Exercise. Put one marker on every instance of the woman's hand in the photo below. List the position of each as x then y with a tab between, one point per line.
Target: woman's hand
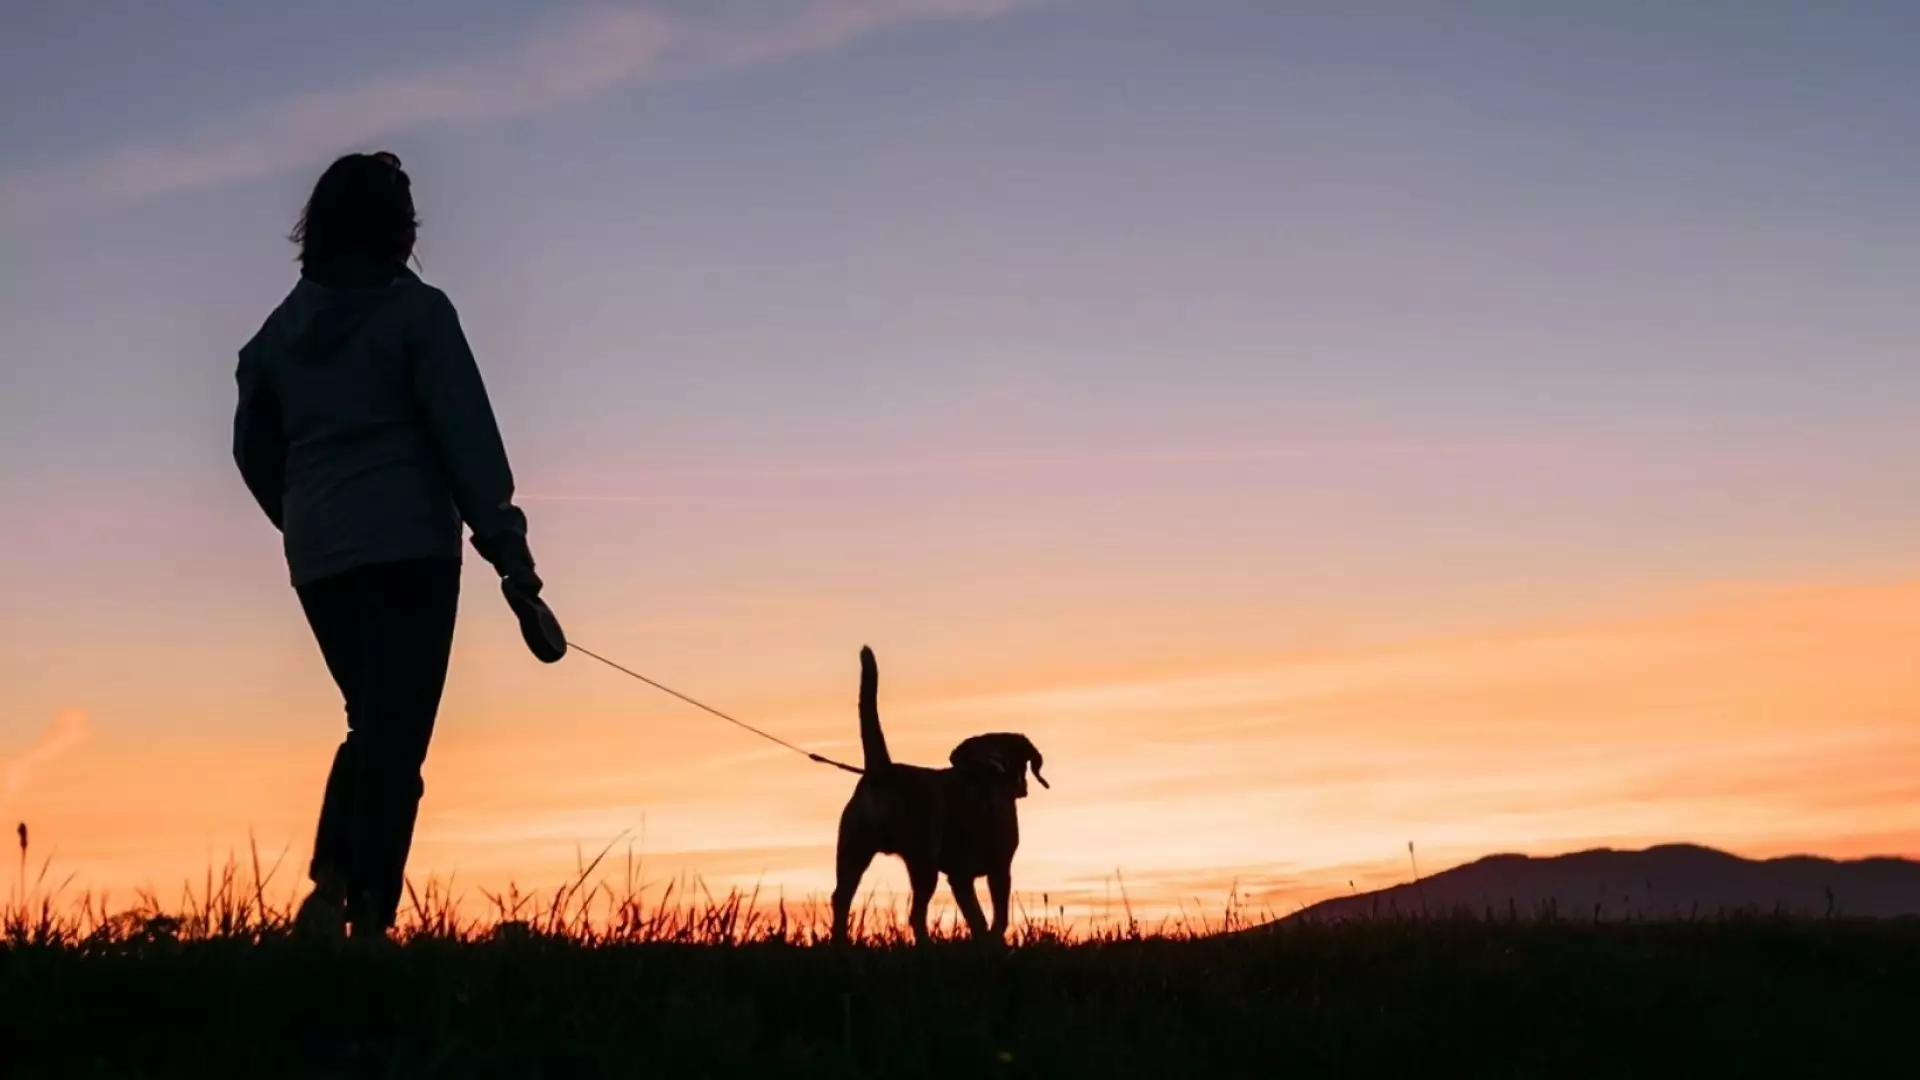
538	626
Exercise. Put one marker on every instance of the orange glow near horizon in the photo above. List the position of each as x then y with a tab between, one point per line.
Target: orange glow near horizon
1764	721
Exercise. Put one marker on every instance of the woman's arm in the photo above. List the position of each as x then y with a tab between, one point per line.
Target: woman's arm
454	399
259	439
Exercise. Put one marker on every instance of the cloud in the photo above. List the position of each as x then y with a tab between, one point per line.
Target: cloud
573	57
68	729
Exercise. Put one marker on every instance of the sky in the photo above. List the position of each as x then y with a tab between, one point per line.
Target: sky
1321	427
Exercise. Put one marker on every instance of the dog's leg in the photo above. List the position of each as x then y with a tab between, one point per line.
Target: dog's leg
924	878
969	902
850	865
1000	888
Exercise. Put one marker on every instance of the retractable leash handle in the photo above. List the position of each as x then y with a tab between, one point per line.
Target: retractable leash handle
538	625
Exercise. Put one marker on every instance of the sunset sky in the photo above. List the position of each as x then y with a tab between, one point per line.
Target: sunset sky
1321	427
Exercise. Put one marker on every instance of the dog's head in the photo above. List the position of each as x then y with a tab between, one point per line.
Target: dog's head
1003	754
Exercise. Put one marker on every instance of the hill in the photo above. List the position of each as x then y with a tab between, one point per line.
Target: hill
1668	881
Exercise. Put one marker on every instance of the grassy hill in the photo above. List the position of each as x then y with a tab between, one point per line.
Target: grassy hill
1747	997
724	988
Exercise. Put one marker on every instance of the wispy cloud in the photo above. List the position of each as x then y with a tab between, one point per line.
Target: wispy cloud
68	729
571	58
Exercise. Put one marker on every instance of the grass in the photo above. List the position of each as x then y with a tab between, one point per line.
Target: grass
599	982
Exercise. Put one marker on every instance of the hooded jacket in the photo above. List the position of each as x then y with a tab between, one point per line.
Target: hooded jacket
364	431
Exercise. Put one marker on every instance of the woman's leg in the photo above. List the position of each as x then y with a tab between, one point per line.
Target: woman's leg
335	611
406	638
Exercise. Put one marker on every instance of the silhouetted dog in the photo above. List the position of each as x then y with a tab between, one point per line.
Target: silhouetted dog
958	821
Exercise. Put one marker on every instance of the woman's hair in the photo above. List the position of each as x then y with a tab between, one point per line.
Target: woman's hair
362	206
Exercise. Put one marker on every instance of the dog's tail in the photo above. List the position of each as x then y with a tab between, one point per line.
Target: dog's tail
873	744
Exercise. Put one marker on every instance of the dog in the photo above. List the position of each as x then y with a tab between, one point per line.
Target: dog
959	821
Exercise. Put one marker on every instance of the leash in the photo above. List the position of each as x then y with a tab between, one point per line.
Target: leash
549	643
772	738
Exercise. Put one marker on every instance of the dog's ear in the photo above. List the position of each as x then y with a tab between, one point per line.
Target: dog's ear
1034	760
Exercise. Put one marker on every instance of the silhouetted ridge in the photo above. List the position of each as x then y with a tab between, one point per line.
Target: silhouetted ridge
1668	881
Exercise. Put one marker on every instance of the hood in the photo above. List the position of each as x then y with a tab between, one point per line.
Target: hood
332	302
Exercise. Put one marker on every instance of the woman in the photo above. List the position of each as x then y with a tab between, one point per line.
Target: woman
364	431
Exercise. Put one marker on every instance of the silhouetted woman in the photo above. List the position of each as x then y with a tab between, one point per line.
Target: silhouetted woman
365	433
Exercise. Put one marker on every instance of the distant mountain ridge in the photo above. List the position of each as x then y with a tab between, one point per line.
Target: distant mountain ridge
1664	882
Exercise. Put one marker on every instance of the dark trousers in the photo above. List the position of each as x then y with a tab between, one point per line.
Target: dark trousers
386	631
